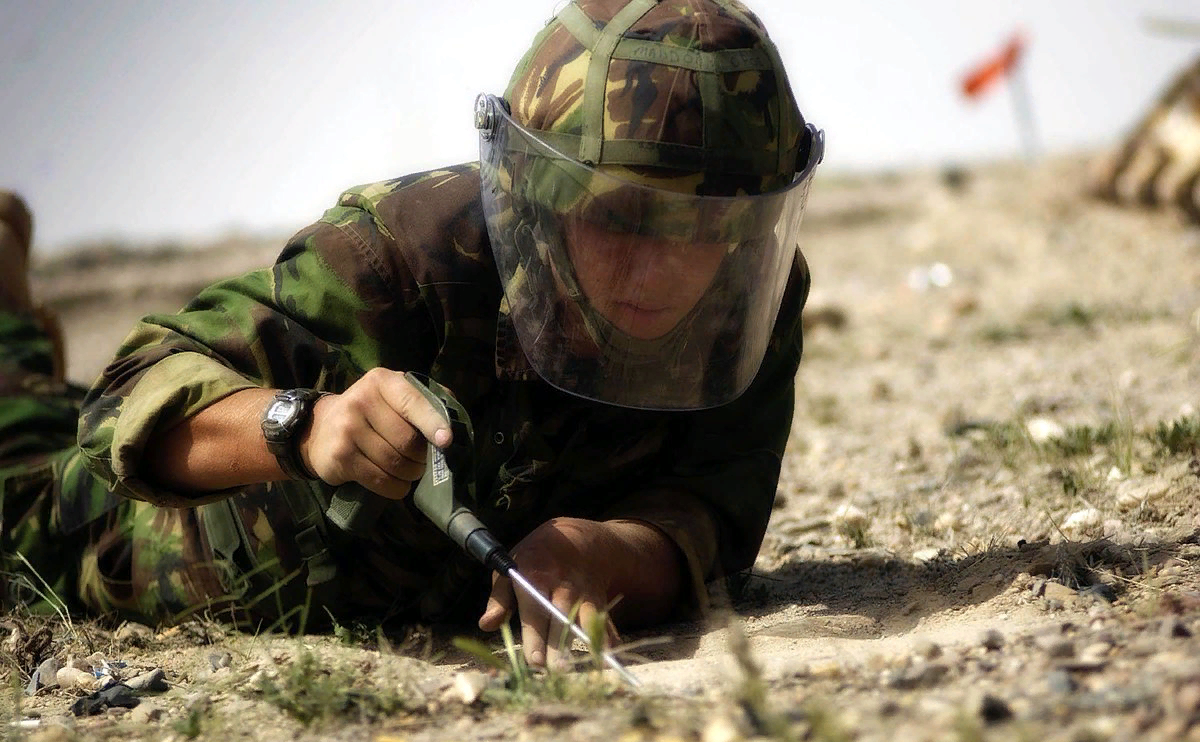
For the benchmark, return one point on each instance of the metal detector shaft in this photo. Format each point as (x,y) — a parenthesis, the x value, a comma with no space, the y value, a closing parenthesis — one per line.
(553,610)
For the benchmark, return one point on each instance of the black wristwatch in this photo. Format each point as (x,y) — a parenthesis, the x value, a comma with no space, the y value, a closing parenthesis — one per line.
(284,420)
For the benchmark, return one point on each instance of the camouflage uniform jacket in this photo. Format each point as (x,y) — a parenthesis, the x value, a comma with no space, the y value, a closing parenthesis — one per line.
(400,275)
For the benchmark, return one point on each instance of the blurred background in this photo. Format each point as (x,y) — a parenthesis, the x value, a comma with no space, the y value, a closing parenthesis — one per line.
(149,121)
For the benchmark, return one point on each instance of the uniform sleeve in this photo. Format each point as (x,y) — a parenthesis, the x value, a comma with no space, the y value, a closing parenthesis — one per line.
(313,319)
(722,469)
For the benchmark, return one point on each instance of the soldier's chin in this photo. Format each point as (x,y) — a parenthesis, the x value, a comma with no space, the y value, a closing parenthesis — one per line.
(641,322)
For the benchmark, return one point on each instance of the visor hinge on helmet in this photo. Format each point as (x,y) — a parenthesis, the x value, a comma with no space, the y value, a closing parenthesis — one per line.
(486,116)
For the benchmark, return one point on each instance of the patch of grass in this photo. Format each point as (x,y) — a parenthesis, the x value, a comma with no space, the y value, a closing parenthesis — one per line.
(357,634)
(1072,314)
(1181,436)
(190,725)
(311,692)
(1012,443)
(823,723)
(1082,440)
(751,691)
(524,686)
(999,334)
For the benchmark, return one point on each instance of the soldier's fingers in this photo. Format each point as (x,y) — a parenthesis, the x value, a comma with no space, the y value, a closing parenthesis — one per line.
(370,475)
(402,464)
(500,604)
(386,458)
(535,627)
(558,640)
(393,427)
(411,405)
(588,616)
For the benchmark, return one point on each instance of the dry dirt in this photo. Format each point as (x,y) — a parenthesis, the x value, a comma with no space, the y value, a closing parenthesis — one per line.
(988,525)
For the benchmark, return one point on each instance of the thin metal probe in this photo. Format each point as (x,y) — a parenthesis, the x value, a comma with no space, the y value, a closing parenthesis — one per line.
(544,602)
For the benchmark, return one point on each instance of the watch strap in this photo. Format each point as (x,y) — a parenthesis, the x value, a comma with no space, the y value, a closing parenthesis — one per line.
(283,440)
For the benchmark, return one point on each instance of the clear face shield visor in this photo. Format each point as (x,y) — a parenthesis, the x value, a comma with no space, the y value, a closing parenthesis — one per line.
(631,294)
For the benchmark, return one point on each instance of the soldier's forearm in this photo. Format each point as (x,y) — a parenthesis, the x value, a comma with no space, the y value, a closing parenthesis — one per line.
(220,447)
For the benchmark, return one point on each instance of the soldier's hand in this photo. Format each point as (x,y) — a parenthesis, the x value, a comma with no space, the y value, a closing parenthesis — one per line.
(570,561)
(374,433)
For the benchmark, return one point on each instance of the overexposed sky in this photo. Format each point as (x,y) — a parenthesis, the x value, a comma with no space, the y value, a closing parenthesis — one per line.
(166,119)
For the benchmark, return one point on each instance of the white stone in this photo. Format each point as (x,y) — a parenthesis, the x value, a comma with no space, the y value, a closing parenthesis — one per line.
(73,677)
(468,686)
(1043,429)
(948,521)
(1132,495)
(926,555)
(1083,523)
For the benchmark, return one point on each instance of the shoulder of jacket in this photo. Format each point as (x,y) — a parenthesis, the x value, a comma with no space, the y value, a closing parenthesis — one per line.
(387,199)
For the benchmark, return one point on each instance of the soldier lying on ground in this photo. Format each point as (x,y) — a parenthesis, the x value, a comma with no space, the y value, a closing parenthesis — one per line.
(613,292)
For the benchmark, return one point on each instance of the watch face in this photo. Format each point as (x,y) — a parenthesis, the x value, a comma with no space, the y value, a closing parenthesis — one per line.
(280,411)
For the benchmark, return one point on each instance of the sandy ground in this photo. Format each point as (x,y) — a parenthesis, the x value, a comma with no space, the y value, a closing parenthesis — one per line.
(987,525)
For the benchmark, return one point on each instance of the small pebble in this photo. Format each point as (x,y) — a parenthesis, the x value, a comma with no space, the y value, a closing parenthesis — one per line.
(920,675)
(948,521)
(197,702)
(1100,591)
(1043,430)
(1173,628)
(1095,652)
(154,681)
(826,669)
(994,710)
(45,676)
(927,650)
(468,686)
(73,677)
(1060,592)
(1060,649)
(992,640)
(926,555)
(721,728)
(1060,681)
(134,633)
(1083,524)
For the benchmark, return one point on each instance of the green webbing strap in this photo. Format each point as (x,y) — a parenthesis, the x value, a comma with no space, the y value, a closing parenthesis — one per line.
(640,50)
(580,25)
(710,97)
(227,538)
(638,152)
(312,538)
(223,536)
(689,157)
(590,148)
(786,134)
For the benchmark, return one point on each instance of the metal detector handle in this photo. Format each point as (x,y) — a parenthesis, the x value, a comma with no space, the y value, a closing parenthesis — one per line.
(449,472)
(450,475)
(355,509)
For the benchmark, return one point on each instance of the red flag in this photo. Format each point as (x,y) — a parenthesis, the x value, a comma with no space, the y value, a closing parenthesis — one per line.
(984,75)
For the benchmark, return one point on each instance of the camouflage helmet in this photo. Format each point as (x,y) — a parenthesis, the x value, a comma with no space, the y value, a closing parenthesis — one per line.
(664,88)
(643,180)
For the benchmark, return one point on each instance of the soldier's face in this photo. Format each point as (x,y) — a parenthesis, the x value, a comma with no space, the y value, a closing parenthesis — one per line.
(643,285)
